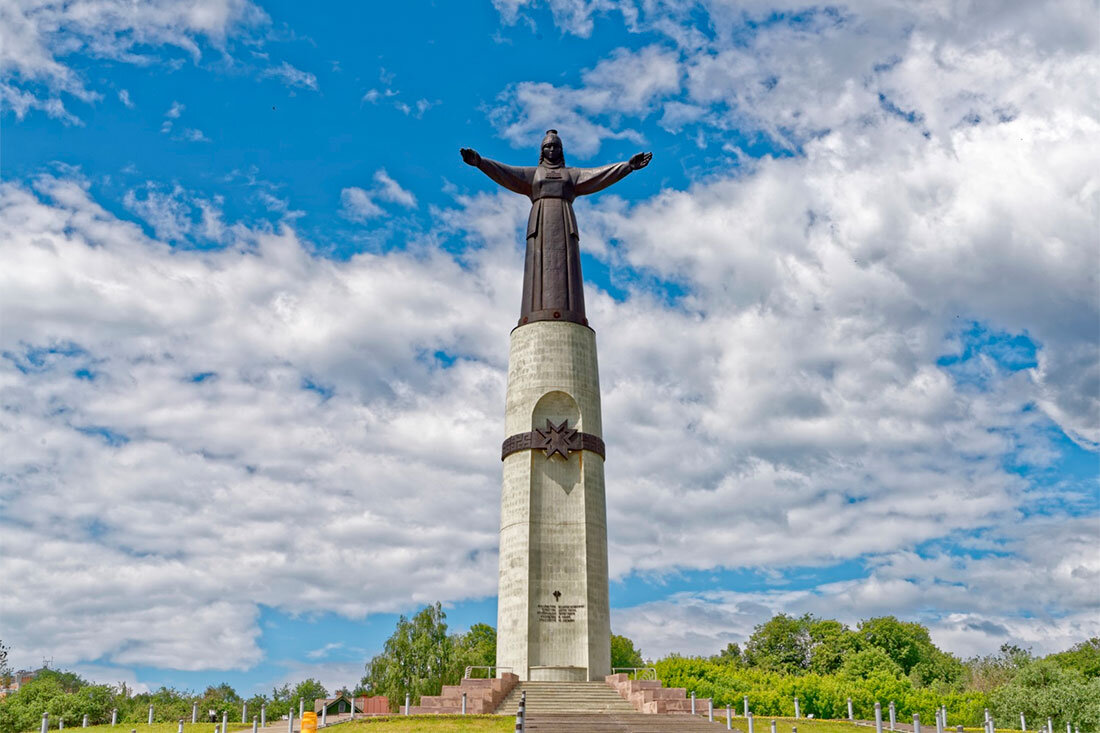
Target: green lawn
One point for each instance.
(435, 723)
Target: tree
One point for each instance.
(906, 643)
(830, 642)
(623, 653)
(732, 654)
(417, 658)
(1083, 657)
(476, 648)
(781, 644)
(308, 691)
(868, 663)
(1043, 689)
(5, 670)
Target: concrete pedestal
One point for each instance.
(553, 621)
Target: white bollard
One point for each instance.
(290, 721)
(878, 717)
(150, 715)
(255, 724)
(693, 703)
(751, 730)
(406, 703)
(302, 708)
(463, 703)
(114, 717)
(710, 711)
(773, 726)
(1069, 728)
(45, 722)
(916, 722)
(729, 718)
(1023, 723)
(244, 712)
(61, 724)
(1050, 726)
(796, 711)
(851, 717)
(324, 715)
(352, 708)
(194, 713)
(225, 722)
(179, 728)
(943, 716)
(85, 723)
(893, 715)
(263, 715)
(746, 701)
(987, 715)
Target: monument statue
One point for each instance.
(552, 285)
(553, 613)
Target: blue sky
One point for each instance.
(253, 323)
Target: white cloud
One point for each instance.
(175, 111)
(124, 97)
(195, 136)
(359, 204)
(291, 76)
(35, 37)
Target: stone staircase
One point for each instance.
(565, 697)
(619, 723)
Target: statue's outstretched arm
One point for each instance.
(514, 178)
(591, 180)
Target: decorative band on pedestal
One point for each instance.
(560, 439)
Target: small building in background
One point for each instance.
(341, 705)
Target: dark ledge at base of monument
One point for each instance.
(553, 619)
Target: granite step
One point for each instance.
(565, 697)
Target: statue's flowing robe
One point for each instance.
(552, 285)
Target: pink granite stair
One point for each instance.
(648, 696)
(482, 696)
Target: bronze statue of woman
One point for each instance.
(552, 286)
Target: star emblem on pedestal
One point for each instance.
(558, 439)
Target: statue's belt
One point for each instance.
(560, 439)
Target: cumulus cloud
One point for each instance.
(36, 37)
(360, 204)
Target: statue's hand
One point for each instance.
(640, 160)
(470, 156)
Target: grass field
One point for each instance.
(492, 724)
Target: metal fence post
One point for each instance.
(244, 712)
(710, 711)
(878, 717)
(916, 722)
(746, 701)
(255, 724)
(729, 718)
(263, 715)
(773, 726)
(45, 722)
(751, 728)
(150, 715)
(939, 723)
(463, 703)
(893, 715)
(290, 721)
(179, 727)
(851, 717)
(796, 710)
(194, 713)
(407, 696)
(114, 717)
(693, 702)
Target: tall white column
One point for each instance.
(553, 618)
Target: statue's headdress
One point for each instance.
(552, 136)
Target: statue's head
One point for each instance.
(551, 152)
